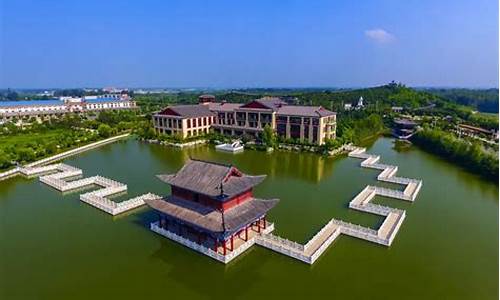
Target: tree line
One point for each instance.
(466, 153)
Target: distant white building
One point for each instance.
(360, 103)
(46, 93)
(347, 106)
(63, 105)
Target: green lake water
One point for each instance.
(54, 246)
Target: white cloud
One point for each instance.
(379, 35)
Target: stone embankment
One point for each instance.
(177, 145)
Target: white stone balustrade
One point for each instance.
(97, 198)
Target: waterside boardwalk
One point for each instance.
(58, 176)
(388, 175)
(384, 235)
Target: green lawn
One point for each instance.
(488, 115)
(24, 138)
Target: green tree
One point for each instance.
(104, 130)
(269, 137)
(4, 161)
(26, 154)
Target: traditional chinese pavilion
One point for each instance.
(212, 204)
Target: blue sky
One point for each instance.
(248, 43)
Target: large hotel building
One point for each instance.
(313, 124)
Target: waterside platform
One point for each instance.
(240, 245)
(59, 174)
(388, 175)
(384, 235)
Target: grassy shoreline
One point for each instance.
(466, 154)
(98, 143)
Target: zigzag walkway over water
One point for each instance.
(384, 235)
(57, 176)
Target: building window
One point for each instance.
(265, 119)
(189, 123)
(295, 131)
(252, 117)
(222, 118)
(240, 116)
(281, 119)
(281, 129)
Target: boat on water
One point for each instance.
(234, 147)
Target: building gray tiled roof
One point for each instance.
(189, 111)
(304, 111)
(273, 103)
(223, 107)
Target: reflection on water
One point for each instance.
(217, 277)
(306, 166)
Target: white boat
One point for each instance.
(234, 147)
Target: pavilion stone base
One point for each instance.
(240, 246)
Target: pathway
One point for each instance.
(384, 235)
(58, 175)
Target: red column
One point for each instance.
(264, 219)
(258, 225)
(224, 246)
(232, 244)
(246, 233)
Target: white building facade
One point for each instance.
(48, 108)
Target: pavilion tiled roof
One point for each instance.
(211, 219)
(208, 178)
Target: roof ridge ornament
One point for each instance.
(221, 188)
